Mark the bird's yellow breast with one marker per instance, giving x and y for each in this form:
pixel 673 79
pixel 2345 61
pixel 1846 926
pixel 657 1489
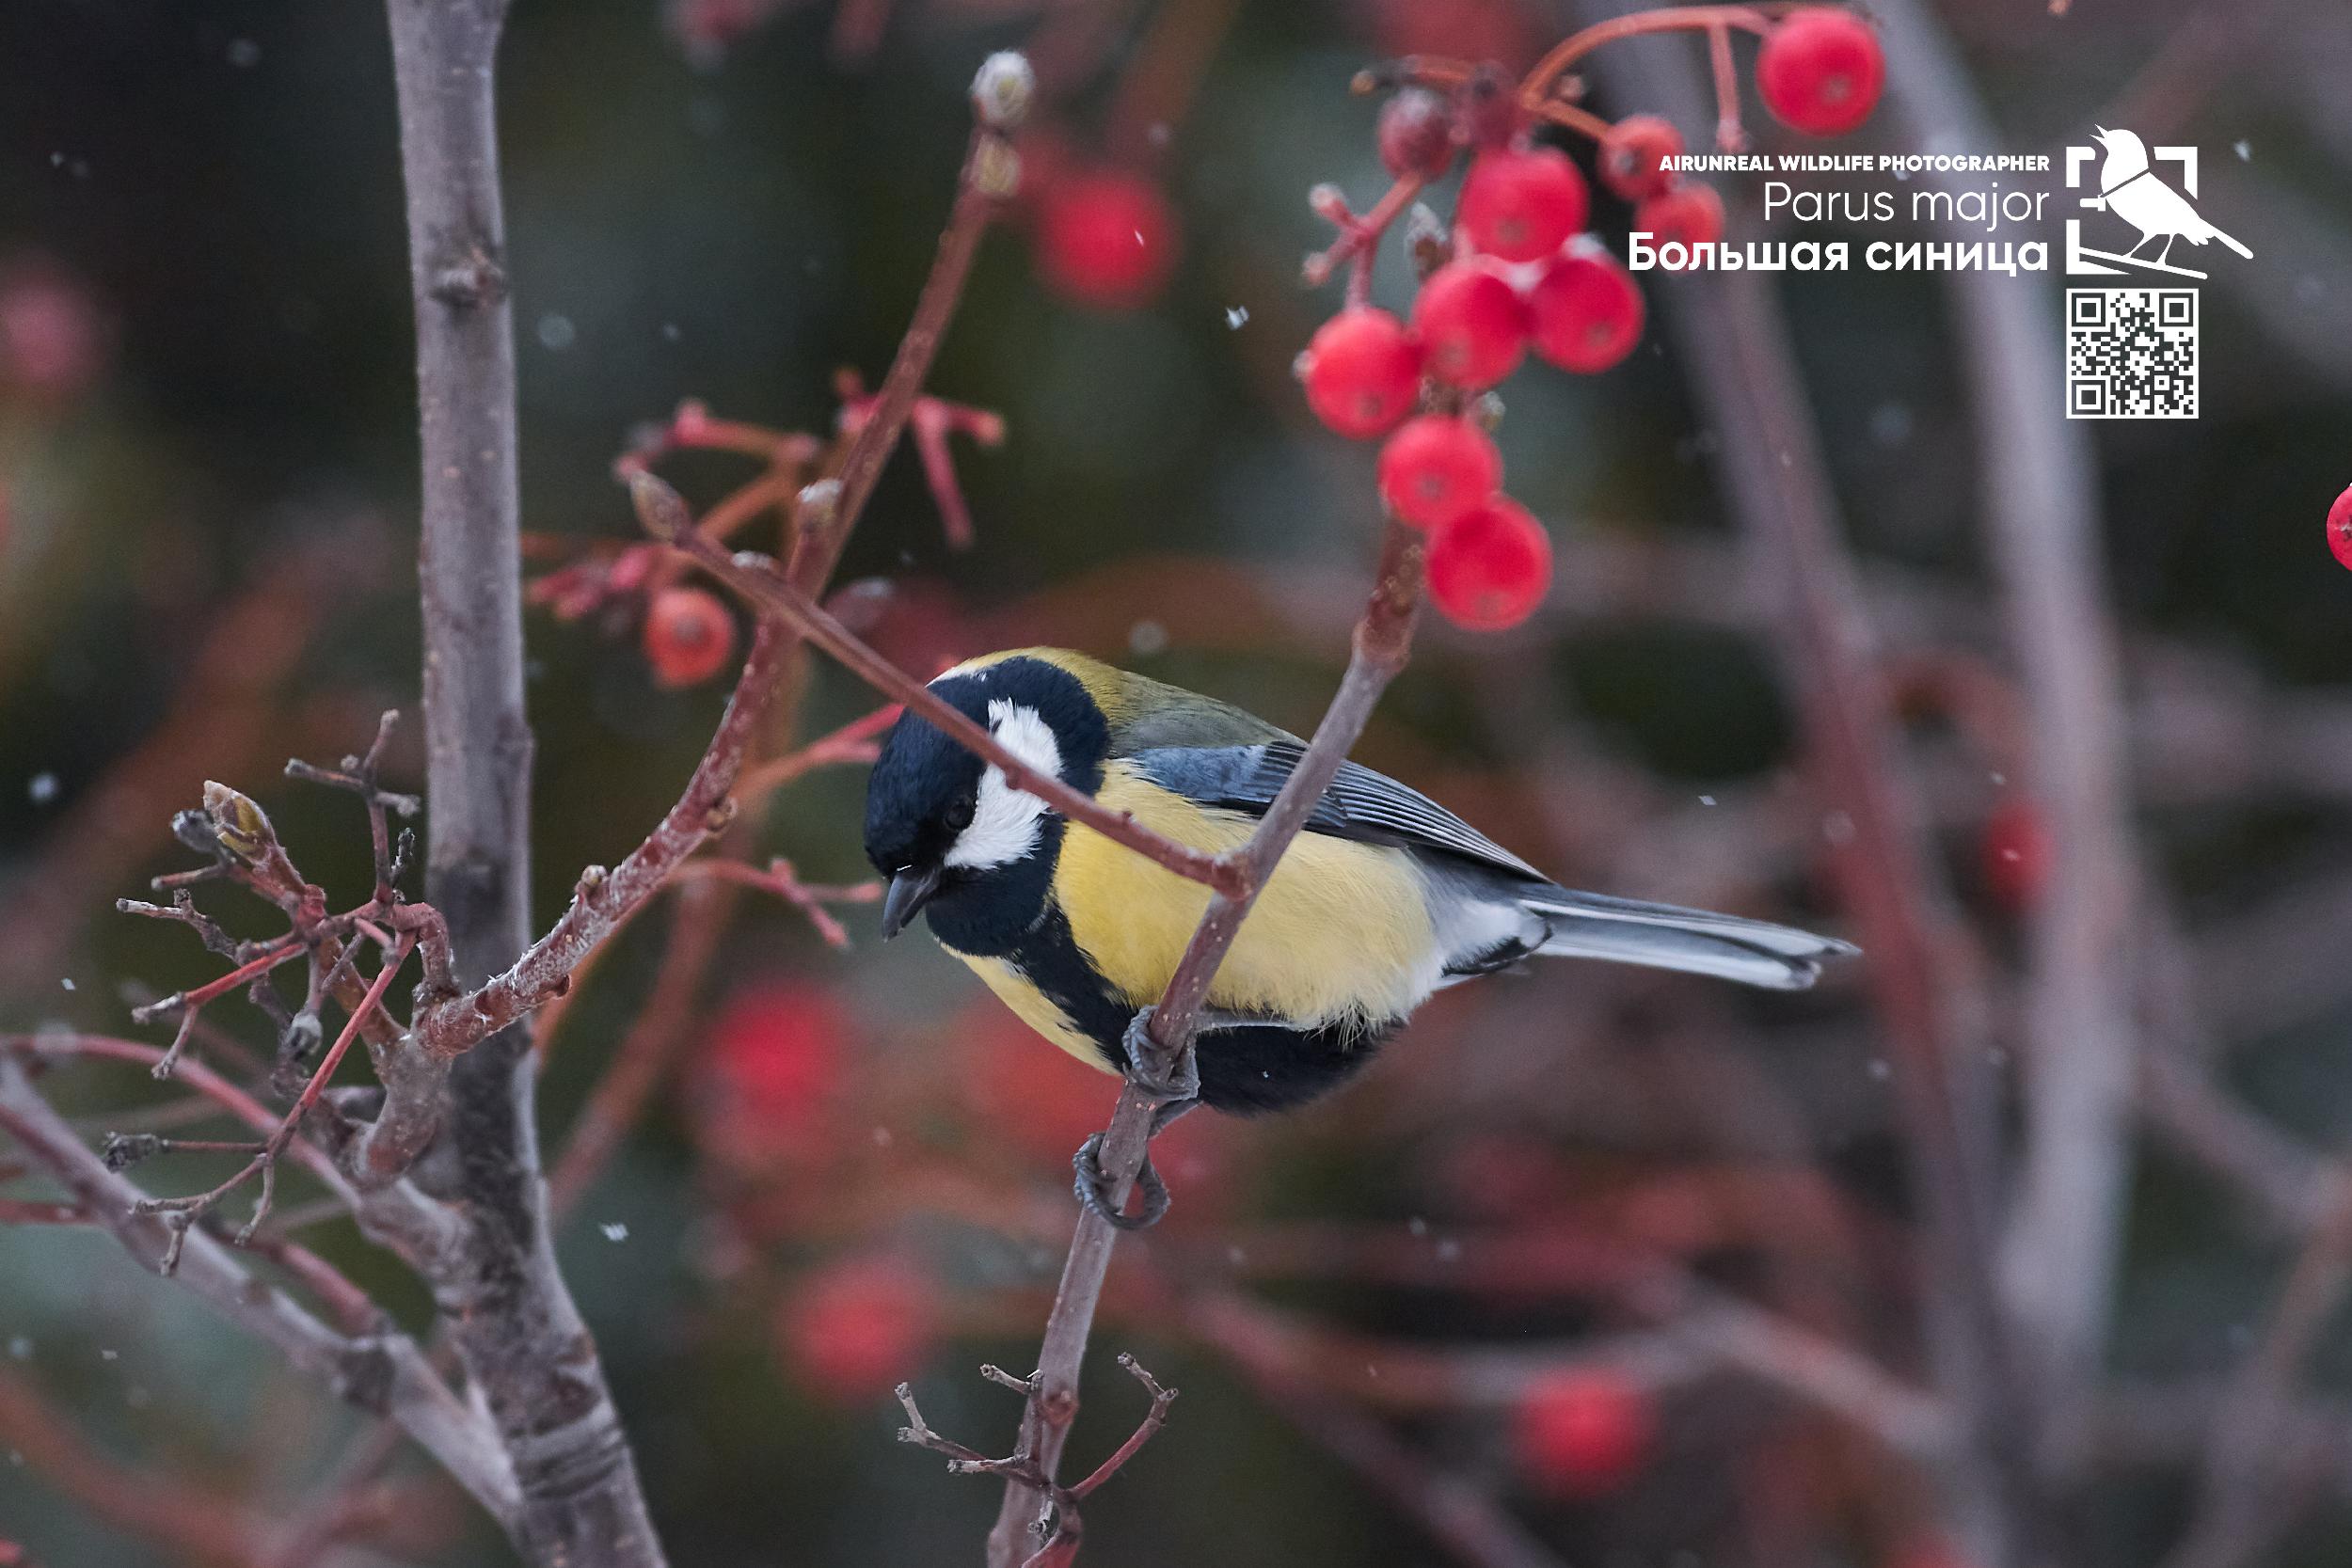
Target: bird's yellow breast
pixel 1341 931
pixel 1033 1008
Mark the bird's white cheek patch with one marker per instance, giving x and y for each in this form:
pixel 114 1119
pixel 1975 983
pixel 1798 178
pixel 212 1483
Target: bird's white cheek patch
pixel 1004 820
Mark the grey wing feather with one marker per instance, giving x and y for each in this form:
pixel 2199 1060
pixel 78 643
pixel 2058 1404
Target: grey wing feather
pixel 1667 935
pixel 1492 905
pixel 1361 803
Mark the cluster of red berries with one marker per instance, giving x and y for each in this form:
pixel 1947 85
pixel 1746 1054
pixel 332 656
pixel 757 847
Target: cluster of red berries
pixel 1522 274
pixel 1632 163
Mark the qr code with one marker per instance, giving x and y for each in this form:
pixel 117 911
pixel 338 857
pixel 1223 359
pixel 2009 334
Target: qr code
pixel 2131 354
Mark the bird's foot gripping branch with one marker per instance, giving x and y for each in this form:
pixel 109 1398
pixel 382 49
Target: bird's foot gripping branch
pixel 1170 1075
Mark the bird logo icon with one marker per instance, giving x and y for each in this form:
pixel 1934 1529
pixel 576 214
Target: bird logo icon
pixel 2130 188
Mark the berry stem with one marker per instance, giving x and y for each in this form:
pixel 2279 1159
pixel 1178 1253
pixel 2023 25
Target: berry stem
pixel 1539 82
pixel 1730 136
pixel 1573 117
pixel 1359 238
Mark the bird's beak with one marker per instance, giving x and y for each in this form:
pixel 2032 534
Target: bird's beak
pixel 2099 135
pixel 909 890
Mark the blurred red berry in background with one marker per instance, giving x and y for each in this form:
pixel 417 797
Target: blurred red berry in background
pixel 2340 529
pixel 1473 324
pixel 1584 1432
pixel 1632 155
pixel 1416 134
pixel 1362 371
pixel 771 1060
pixel 706 28
pixel 1820 71
pixel 1437 467
pixel 1503 1175
pixel 1520 204
pixel 1489 567
pixel 1689 214
pixel 53 343
pixel 2013 852
pixel 1028 1091
pixel 1031 1096
pixel 853 1330
pixel 917 622
pixel 689 636
pixel 1104 237
pixel 1585 311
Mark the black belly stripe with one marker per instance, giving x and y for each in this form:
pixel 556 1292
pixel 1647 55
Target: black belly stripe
pixel 1243 1069
pixel 1048 956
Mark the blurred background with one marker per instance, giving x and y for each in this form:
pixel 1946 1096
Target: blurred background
pixel 1566 1247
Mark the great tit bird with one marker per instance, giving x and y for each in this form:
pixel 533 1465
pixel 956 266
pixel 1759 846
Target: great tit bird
pixel 1386 897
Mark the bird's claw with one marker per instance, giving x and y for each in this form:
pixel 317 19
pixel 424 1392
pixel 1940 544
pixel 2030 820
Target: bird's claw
pixel 1094 1189
pixel 1169 1082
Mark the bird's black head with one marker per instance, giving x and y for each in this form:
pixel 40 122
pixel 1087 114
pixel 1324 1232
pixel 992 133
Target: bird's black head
pixel 947 830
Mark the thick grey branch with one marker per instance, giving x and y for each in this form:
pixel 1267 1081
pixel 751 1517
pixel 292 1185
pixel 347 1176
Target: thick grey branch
pixel 511 1315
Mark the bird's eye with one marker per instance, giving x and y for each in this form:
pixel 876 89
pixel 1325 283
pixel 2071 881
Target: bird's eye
pixel 960 814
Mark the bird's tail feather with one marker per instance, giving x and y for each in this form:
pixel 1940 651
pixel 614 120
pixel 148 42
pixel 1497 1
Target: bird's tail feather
pixel 1663 936
pixel 2232 243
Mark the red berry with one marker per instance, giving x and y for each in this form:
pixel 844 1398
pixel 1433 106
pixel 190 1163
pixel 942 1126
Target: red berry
pixel 1362 371
pixel 52 341
pixel 775 1050
pixel 1416 134
pixel 689 636
pixel 1517 204
pixel 854 1329
pixel 1687 215
pixel 2340 529
pixel 1820 71
pixel 1632 155
pixel 1585 1433
pixel 2014 853
pixel 1473 324
pixel 707 27
pixel 1586 312
pixel 765 1084
pixel 1489 567
pixel 1436 467
pixel 1105 238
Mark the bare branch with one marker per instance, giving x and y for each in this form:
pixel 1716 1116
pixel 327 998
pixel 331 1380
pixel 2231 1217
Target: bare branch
pixel 530 1357
pixel 1061 1531
pixel 1382 642
pixel 385 1373
pixel 663 1025
pixel 758 581
pixel 2065 1233
pixel 2242 1509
